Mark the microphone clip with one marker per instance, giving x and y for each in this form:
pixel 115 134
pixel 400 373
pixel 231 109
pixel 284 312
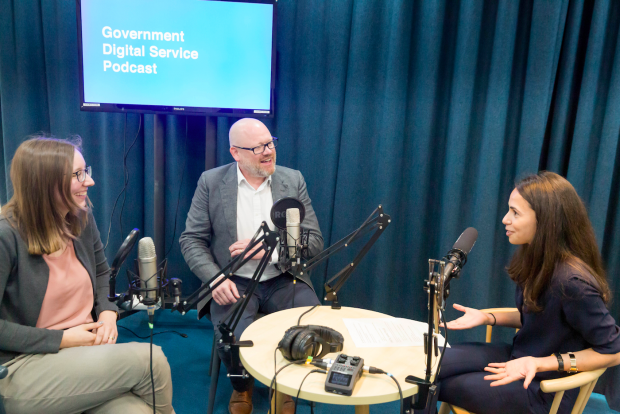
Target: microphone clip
pixel 285 262
pixel 459 258
pixel 137 295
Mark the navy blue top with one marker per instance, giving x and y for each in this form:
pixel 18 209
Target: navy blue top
pixel 574 318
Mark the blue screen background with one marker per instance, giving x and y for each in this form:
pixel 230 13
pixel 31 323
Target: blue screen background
pixel 233 41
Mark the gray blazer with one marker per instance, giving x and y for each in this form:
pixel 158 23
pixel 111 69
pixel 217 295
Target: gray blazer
pixel 23 283
pixel 211 225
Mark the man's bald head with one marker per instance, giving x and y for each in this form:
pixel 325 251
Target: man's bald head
pixel 248 132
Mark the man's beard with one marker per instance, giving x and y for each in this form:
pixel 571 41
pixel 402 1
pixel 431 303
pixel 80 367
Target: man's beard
pixel 257 170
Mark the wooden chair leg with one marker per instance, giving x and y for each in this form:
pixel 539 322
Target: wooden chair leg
pixel 362 409
pixel 583 397
pixel 278 401
pixel 556 402
pixel 444 408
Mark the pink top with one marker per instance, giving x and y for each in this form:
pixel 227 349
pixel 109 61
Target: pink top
pixel 69 296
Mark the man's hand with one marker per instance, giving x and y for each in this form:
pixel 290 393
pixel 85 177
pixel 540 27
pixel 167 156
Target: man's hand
pixel 471 319
pixel 107 333
pixel 517 369
pixel 238 247
pixel 80 335
pixel 226 293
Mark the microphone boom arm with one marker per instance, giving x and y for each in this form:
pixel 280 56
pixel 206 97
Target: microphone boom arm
pixel 377 223
pixel 268 240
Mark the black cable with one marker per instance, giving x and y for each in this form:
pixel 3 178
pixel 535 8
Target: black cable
pixel 400 391
pixel 322 371
pixel 152 380
pixel 445 343
pixel 275 388
pixel 156 333
pixel 299 361
pixel 126 172
pixel 302 315
pixel 120 217
pixel 374 370
pixel 123 190
pixel 176 213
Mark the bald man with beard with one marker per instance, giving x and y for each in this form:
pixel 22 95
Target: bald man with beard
pixel 228 207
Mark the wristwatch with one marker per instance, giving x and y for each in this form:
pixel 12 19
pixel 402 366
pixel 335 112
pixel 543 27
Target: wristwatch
pixel 573 363
pixel 560 362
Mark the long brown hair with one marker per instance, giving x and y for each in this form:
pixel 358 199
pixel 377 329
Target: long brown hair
pixel 41 176
pixel 564 234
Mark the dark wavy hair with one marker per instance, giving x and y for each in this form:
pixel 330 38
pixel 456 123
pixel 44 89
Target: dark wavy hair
pixel 564 234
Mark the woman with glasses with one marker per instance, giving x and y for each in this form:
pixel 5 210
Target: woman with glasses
pixel 57 329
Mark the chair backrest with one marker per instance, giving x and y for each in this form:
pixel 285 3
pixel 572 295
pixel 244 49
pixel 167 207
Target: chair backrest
pixel 584 380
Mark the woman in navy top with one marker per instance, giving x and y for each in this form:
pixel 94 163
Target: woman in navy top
pixel 561 295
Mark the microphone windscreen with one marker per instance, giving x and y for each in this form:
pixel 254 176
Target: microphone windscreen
pixel 466 240
pixel 292 216
pixel 125 249
pixel 278 211
pixel 146 248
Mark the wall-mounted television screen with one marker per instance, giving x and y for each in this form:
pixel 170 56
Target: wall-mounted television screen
pixel 200 57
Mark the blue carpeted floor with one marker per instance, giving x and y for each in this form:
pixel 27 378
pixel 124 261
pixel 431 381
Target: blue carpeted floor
pixel 189 359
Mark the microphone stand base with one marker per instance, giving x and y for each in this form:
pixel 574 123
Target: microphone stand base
pixel 333 298
pixel 427 392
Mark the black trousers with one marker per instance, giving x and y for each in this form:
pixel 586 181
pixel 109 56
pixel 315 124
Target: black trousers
pixel 273 295
pixel 461 382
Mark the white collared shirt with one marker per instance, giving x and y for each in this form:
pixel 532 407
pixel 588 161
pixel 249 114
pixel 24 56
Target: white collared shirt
pixel 254 207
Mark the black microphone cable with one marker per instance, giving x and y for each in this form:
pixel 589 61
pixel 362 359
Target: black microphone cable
pixel 126 178
pixel 303 314
pixel 445 343
pixel 322 371
pixel 152 380
pixel 176 212
pixel 271 386
pixel 182 335
pixel 373 370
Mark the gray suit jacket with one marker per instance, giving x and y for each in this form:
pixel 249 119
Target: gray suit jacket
pixel 23 283
pixel 211 225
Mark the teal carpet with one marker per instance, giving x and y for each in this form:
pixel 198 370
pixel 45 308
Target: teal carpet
pixel 189 359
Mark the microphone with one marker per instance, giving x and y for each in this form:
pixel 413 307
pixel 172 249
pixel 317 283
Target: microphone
pixel 292 231
pixel 285 218
pixel 147 265
pixel 457 256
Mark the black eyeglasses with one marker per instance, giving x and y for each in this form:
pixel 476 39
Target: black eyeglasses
pixel 261 148
pixel 81 174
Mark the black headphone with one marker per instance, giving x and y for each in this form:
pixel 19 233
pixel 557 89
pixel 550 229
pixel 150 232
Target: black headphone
pixel 300 342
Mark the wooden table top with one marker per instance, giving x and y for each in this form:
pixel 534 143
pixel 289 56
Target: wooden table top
pixel 267 331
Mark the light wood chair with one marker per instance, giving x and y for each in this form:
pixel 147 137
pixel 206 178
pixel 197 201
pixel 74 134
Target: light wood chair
pixel 584 380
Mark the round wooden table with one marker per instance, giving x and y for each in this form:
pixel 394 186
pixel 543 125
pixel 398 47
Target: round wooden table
pixel 370 389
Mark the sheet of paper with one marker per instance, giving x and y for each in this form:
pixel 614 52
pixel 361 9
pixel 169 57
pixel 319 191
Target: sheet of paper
pixel 386 332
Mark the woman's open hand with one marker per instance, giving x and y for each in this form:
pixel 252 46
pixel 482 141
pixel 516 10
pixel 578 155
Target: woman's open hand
pixel 517 369
pixel 471 319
